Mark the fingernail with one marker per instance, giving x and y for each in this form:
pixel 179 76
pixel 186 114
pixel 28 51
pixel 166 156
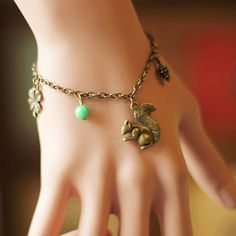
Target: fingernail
pixel 228 194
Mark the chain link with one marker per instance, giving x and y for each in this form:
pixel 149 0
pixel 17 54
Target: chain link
pixel 153 55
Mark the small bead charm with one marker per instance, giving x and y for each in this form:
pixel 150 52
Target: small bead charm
pixel 82 112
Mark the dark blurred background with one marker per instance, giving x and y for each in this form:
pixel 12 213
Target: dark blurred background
pixel 197 37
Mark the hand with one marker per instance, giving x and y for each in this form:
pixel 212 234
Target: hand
pixel 88 159
pixel 101 47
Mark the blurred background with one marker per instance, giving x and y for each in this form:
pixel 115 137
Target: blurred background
pixel 197 37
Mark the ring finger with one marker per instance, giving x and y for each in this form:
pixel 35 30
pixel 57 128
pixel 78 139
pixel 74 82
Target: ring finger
pixel 172 199
pixel 135 194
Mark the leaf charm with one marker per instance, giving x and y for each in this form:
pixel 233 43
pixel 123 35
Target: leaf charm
pixel 34 100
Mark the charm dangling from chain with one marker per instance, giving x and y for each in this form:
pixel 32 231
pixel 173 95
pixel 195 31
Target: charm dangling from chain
pixel 162 70
pixel 147 130
pixel 35 97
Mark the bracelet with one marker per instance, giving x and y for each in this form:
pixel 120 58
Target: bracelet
pixel 146 131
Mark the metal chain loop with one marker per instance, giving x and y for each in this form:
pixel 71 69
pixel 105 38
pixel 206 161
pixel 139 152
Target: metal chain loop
pixel 153 55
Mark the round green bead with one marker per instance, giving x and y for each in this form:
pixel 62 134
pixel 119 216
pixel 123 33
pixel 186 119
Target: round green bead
pixel 82 112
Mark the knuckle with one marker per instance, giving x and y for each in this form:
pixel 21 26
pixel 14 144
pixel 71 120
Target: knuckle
pixel 177 173
pixel 179 176
pixel 58 184
pixel 135 174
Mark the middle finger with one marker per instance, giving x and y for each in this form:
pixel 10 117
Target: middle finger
pixel 135 194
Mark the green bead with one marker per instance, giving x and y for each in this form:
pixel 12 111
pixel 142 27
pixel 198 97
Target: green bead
pixel 82 112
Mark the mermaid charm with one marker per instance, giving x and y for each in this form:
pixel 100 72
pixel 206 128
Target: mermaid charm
pixel 146 131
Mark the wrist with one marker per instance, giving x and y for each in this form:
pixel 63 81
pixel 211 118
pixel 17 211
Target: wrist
pixel 83 41
pixel 95 64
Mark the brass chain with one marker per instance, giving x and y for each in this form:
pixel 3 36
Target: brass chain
pixel 145 130
pixel 153 55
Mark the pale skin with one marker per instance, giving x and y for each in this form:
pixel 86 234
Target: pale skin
pixel 100 46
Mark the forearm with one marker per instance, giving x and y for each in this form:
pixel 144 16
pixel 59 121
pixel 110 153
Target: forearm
pixel 55 20
pixel 106 33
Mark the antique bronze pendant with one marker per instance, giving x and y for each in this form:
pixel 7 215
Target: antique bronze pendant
pixel 147 130
pixel 34 100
